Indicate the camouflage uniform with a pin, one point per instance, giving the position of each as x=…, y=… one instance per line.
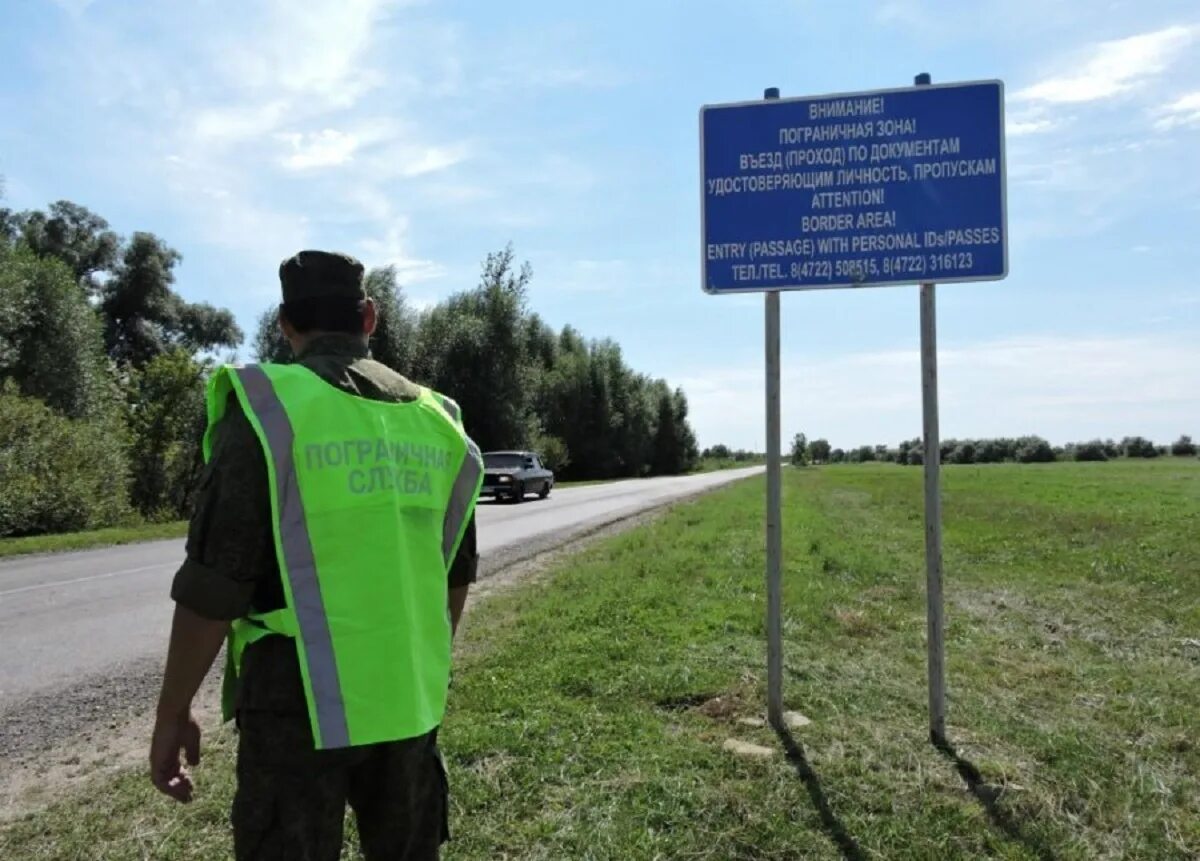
x=291, y=798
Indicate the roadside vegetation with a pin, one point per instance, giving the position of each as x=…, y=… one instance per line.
x=103, y=367
x=61, y=543
x=1073, y=643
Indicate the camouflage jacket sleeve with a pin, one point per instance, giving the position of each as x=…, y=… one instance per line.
x=466, y=562
x=229, y=546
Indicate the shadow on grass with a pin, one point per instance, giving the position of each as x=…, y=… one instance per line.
x=988, y=795
x=829, y=820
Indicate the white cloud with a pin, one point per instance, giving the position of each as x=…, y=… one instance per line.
x=406, y=157
x=237, y=123
x=1113, y=68
x=326, y=148
x=391, y=249
x=314, y=51
x=1184, y=111
x=1030, y=126
x=1061, y=388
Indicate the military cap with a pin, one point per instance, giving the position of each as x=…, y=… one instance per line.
x=321, y=274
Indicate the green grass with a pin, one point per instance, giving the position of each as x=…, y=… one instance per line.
x=715, y=464
x=87, y=540
x=588, y=713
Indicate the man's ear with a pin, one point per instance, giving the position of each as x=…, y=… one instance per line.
x=370, y=317
x=285, y=325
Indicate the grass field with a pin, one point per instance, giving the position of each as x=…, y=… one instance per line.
x=589, y=710
x=89, y=540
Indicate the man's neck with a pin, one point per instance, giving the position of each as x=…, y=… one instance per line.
x=335, y=343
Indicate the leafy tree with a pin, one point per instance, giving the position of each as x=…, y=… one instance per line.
x=145, y=318
x=799, y=450
x=674, y=446
x=964, y=452
x=269, y=343
x=837, y=456
x=167, y=420
x=1183, y=447
x=553, y=452
x=472, y=347
x=71, y=233
x=1034, y=449
x=395, y=340
x=819, y=450
x=58, y=474
x=1090, y=451
x=1136, y=446
x=50, y=340
x=990, y=451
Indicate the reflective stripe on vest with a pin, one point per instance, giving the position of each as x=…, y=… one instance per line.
x=299, y=548
x=298, y=560
x=464, y=485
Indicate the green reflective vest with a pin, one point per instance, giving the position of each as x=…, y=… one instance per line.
x=369, y=502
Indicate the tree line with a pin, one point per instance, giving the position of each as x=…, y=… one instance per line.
x=103, y=368
x=1026, y=449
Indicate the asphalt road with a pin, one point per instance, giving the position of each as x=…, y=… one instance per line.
x=92, y=626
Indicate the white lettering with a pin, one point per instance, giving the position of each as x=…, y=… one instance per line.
x=826, y=223
x=952, y=169
x=881, y=218
x=848, y=199
x=838, y=108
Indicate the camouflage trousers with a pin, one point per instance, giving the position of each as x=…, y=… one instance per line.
x=291, y=800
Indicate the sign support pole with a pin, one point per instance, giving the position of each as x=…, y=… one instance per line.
x=936, y=640
x=774, y=509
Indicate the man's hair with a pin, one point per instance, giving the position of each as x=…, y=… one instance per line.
x=339, y=314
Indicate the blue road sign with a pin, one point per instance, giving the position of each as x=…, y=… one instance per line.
x=887, y=187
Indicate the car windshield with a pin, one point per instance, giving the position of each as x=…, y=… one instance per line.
x=503, y=461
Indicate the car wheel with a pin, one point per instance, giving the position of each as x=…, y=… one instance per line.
x=545, y=490
x=519, y=493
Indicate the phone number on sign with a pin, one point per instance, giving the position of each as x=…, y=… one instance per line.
x=908, y=264
x=867, y=268
x=951, y=262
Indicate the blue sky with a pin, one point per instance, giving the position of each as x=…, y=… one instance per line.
x=426, y=134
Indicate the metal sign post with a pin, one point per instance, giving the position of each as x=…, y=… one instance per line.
x=774, y=522
x=887, y=187
x=774, y=510
x=932, y=465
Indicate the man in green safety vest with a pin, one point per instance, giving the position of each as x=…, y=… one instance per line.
x=331, y=548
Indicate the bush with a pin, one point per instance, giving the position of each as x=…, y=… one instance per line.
x=1034, y=449
x=167, y=418
x=1090, y=451
x=1136, y=446
x=553, y=452
x=57, y=474
x=964, y=452
x=799, y=454
x=990, y=451
x=1183, y=447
